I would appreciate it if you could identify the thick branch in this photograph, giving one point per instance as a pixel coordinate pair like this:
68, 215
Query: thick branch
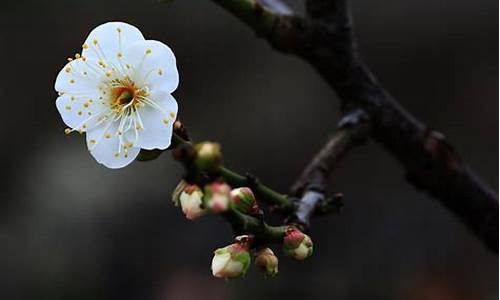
326, 42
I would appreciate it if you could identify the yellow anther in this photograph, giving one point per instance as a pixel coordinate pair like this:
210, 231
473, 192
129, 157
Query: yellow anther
108, 74
160, 72
77, 55
84, 126
119, 29
72, 98
172, 115
60, 93
67, 131
165, 121
119, 54
85, 104
127, 66
91, 100
72, 81
107, 135
68, 69
85, 46
94, 42
79, 112
117, 154
92, 141
68, 107
148, 51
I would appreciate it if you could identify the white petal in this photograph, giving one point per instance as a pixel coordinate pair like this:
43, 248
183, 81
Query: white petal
108, 41
104, 144
219, 262
77, 77
158, 120
233, 269
153, 65
80, 113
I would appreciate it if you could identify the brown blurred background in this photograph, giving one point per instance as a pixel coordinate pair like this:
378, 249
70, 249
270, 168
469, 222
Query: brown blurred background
72, 229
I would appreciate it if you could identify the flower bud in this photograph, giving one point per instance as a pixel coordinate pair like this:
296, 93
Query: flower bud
243, 200
266, 262
208, 157
189, 197
231, 261
217, 196
297, 244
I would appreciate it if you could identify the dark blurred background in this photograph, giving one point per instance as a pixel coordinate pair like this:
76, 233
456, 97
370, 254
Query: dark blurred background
72, 229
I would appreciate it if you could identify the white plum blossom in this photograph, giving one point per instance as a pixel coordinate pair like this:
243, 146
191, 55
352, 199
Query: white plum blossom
118, 92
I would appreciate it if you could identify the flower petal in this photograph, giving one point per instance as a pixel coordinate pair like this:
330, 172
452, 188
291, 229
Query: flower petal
153, 65
78, 78
219, 262
107, 42
80, 113
158, 116
107, 146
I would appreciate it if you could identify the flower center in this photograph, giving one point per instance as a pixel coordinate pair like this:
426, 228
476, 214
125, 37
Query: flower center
123, 95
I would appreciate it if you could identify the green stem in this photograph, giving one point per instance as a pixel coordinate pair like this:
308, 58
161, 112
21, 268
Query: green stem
263, 233
263, 192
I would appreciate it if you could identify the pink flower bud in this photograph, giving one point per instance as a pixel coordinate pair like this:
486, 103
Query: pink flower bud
297, 244
266, 262
190, 198
243, 200
217, 196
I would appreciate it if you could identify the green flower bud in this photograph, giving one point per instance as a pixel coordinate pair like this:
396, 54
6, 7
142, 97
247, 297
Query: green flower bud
243, 200
208, 157
231, 261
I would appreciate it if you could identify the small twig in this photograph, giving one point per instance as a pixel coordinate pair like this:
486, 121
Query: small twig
353, 129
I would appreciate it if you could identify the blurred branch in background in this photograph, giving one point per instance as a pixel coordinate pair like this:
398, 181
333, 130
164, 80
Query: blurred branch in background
324, 38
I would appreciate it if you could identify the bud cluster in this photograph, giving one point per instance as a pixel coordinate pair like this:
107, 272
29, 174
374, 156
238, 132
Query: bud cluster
216, 197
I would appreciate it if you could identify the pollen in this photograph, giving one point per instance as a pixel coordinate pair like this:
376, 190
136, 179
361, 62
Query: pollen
172, 115
72, 81
148, 51
107, 135
77, 55
72, 98
108, 74
68, 107
79, 112
92, 141
85, 104
67, 131
117, 154
94, 42
68, 70
85, 46
119, 29
119, 54
165, 121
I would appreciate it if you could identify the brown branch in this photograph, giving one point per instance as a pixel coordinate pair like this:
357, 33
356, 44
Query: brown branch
324, 39
310, 188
